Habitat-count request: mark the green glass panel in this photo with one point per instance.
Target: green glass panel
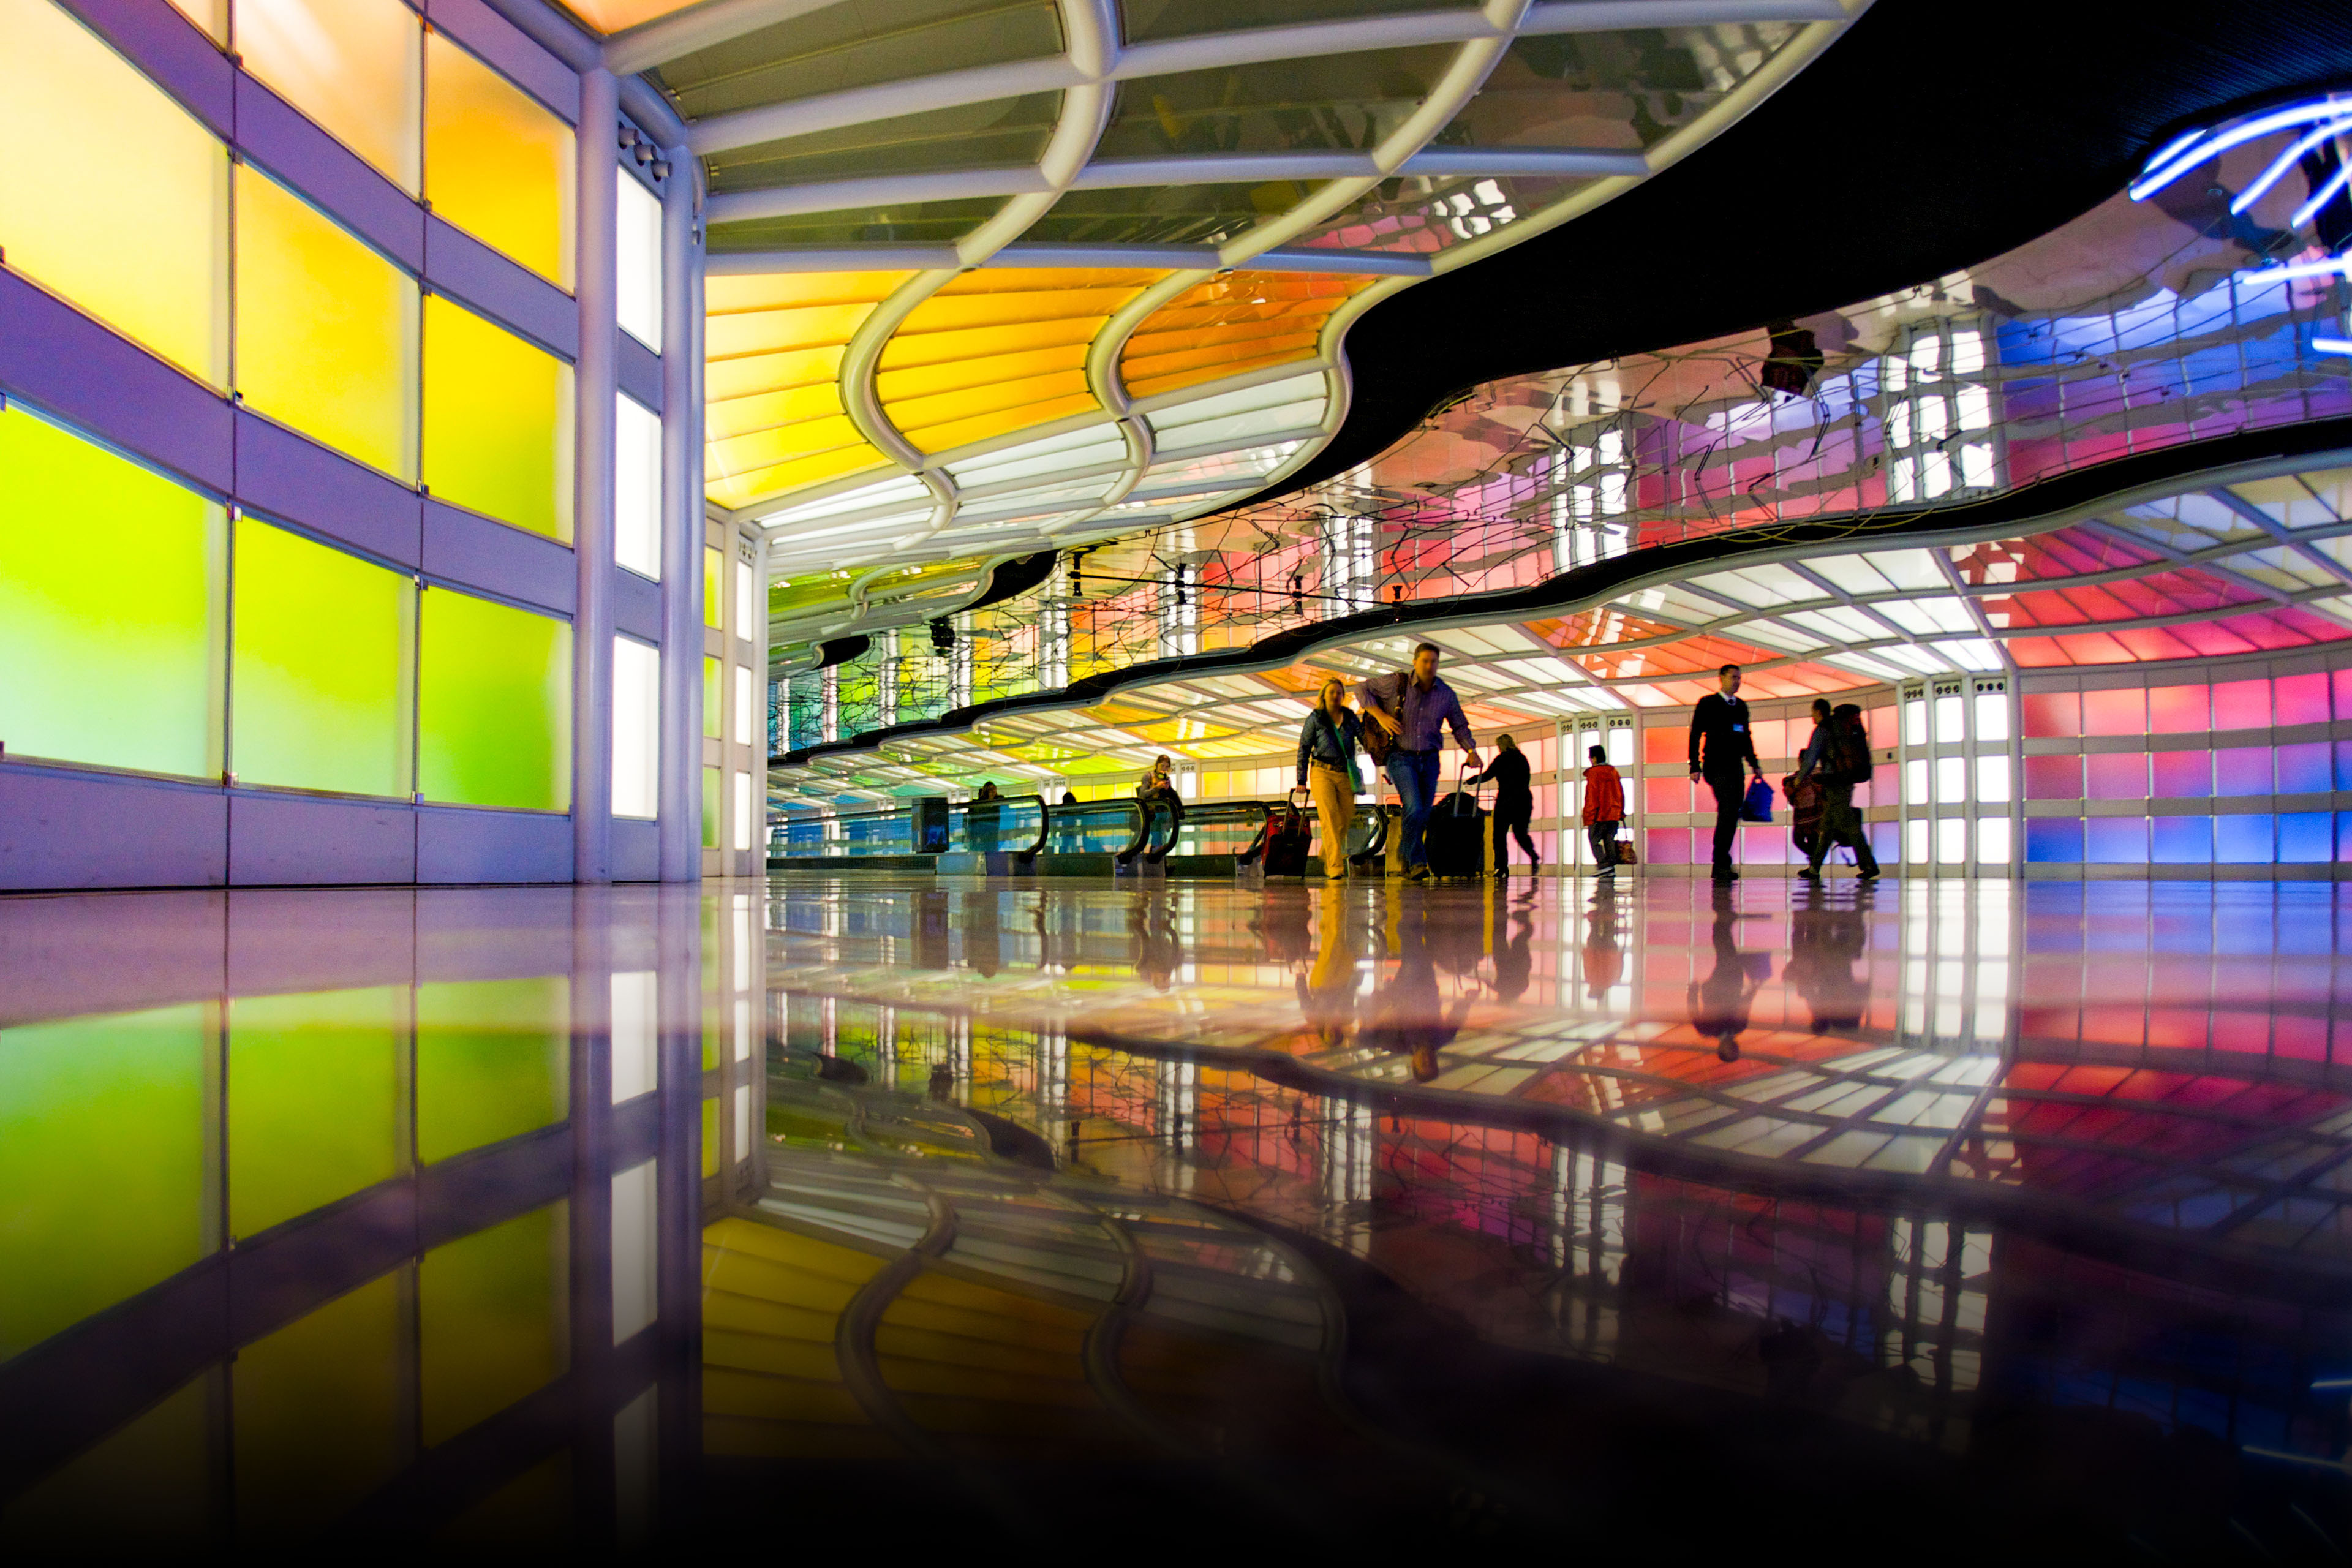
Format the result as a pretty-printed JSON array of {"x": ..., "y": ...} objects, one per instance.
[
  {"x": 493, "y": 1060},
  {"x": 710, "y": 1136},
  {"x": 319, "y": 665},
  {"x": 313, "y": 1101},
  {"x": 498, "y": 422},
  {"x": 1336, "y": 103},
  {"x": 318, "y": 1413},
  {"x": 102, "y": 1166},
  {"x": 710, "y": 808},
  {"x": 493, "y": 705},
  {"x": 109, "y": 607},
  {"x": 490, "y": 1319},
  {"x": 712, "y": 691},
  {"x": 714, "y": 585}
]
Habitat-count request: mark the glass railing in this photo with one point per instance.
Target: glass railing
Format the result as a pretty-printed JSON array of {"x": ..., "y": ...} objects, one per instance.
[
  {"x": 1026, "y": 826},
  {"x": 1112, "y": 827},
  {"x": 1234, "y": 828}
]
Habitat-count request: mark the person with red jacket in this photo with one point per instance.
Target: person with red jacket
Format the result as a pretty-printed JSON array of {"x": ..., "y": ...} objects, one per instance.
[{"x": 1604, "y": 809}]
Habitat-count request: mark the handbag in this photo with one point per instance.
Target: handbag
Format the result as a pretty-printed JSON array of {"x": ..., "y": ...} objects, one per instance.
[
  {"x": 1757, "y": 804},
  {"x": 1626, "y": 854}
]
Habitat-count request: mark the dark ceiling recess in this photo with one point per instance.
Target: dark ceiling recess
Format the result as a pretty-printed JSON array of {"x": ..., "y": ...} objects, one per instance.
[
  {"x": 1016, "y": 576},
  {"x": 841, "y": 650},
  {"x": 1928, "y": 139}
]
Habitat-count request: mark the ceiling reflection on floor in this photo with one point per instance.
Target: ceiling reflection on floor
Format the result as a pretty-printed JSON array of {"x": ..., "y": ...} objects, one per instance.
[{"x": 1455, "y": 1216}]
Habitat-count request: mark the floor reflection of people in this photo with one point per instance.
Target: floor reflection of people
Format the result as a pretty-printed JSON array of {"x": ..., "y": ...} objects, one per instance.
[
  {"x": 1604, "y": 960},
  {"x": 983, "y": 938},
  {"x": 1825, "y": 941},
  {"x": 1157, "y": 953},
  {"x": 1326, "y": 991},
  {"x": 1408, "y": 1014},
  {"x": 1719, "y": 1004},
  {"x": 1513, "y": 961}
]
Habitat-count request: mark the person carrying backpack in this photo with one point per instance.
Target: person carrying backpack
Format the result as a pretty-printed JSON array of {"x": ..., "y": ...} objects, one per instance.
[
  {"x": 1837, "y": 758},
  {"x": 1604, "y": 809}
]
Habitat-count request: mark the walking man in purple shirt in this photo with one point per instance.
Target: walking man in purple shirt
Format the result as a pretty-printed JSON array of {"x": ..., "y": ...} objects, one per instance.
[{"x": 1414, "y": 710}]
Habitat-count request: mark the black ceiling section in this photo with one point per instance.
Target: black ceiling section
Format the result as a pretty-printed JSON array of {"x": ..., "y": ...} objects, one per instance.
[{"x": 1930, "y": 138}]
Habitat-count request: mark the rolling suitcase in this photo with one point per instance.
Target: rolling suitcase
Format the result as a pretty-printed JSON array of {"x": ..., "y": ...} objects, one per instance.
[
  {"x": 1286, "y": 840},
  {"x": 1457, "y": 837}
]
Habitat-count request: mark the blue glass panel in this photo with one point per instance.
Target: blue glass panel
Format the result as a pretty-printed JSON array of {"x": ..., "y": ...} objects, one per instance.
[
  {"x": 2242, "y": 770},
  {"x": 2054, "y": 840},
  {"x": 2116, "y": 841},
  {"x": 2343, "y": 835},
  {"x": 2304, "y": 768},
  {"x": 2182, "y": 840},
  {"x": 2304, "y": 838},
  {"x": 2344, "y": 764},
  {"x": 2243, "y": 841}
]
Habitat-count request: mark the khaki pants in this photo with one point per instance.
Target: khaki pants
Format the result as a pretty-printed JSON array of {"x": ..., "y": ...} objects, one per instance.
[{"x": 1335, "y": 811}]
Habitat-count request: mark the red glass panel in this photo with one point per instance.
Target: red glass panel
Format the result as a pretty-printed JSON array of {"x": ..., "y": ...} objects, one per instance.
[
  {"x": 2047, "y": 714},
  {"x": 2241, "y": 705},
  {"x": 1666, "y": 795},
  {"x": 2178, "y": 709},
  {"x": 1665, "y": 744},
  {"x": 2123, "y": 712}
]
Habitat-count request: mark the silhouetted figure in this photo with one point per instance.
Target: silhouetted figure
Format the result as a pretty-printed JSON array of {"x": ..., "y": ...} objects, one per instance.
[
  {"x": 943, "y": 1085},
  {"x": 1327, "y": 992},
  {"x": 1719, "y": 1004},
  {"x": 1513, "y": 961},
  {"x": 1409, "y": 1015},
  {"x": 1604, "y": 960},
  {"x": 1825, "y": 941}
]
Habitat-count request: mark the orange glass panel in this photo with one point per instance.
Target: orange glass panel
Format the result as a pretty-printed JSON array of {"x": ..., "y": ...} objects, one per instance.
[
  {"x": 612, "y": 16},
  {"x": 774, "y": 343},
  {"x": 997, "y": 350},
  {"x": 212, "y": 16},
  {"x": 1229, "y": 325},
  {"x": 132, "y": 226},
  {"x": 356, "y": 67},
  {"x": 497, "y": 163}
]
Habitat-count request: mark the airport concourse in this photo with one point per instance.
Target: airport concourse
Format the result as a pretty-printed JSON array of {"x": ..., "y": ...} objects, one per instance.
[{"x": 1025, "y": 775}]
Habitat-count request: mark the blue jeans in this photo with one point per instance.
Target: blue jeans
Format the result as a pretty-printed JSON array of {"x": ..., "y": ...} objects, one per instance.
[{"x": 1414, "y": 775}]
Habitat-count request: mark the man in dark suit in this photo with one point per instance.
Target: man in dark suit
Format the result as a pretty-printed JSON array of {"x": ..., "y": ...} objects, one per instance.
[{"x": 1720, "y": 741}]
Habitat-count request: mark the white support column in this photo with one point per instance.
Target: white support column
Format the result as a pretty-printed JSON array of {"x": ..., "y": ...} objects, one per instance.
[
  {"x": 681, "y": 694},
  {"x": 596, "y": 385}
]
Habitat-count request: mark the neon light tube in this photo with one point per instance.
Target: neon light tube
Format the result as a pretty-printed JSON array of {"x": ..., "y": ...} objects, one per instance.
[
  {"x": 2155, "y": 179},
  {"x": 2284, "y": 162},
  {"x": 2320, "y": 197}
]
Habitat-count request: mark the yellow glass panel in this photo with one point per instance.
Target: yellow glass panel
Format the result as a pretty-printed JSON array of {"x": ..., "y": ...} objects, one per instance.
[
  {"x": 498, "y": 422},
  {"x": 763, "y": 484},
  {"x": 326, "y": 329},
  {"x": 132, "y": 226},
  {"x": 353, "y": 65},
  {"x": 212, "y": 16},
  {"x": 1242, "y": 321},
  {"x": 497, "y": 163},
  {"x": 493, "y": 705},
  {"x": 319, "y": 664},
  {"x": 612, "y": 16},
  {"x": 714, "y": 586},
  {"x": 490, "y": 1319}
]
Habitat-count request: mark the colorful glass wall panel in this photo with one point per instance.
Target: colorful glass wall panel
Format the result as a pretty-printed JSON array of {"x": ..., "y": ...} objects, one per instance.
[
  {"x": 497, "y": 163},
  {"x": 132, "y": 225},
  {"x": 110, "y": 589},
  {"x": 490, "y": 1319},
  {"x": 103, "y": 1164},
  {"x": 498, "y": 422},
  {"x": 492, "y": 1061},
  {"x": 493, "y": 705},
  {"x": 356, "y": 67},
  {"x": 326, "y": 329},
  {"x": 318, "y": 1412},
  {"x": 314, "y": 1093},
  {"x": 320, "y": 662}
]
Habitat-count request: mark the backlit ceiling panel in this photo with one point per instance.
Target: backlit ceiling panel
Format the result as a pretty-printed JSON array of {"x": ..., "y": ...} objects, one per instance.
[{"x": 976, "y": 264}]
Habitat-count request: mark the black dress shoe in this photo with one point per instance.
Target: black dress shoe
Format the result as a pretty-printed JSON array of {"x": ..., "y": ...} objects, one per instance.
[{"x": 1726, "y": 876}]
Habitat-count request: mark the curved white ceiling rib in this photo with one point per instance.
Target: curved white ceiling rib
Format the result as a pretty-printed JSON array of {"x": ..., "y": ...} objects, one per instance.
[{"x": 1430, "y": 162}]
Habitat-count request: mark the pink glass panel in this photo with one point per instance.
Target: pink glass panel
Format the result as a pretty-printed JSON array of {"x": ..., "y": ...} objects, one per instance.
[
  {"x": 2121, "y": 776},
  {"x": 2242, "y": 770},
  {"x": 2241, "y": 705},
  {"x": 1772, "y": 737},
  {"x": 2046, "y": 714},
  {"x": 2184, "y": 773},
  {"x": 2340, "y": 683},
  {"x": 1883, "y": 726},
  {"x": 1666, "y": 795},
  {"x": 2299, "y": 699},
  {"x": 1668, "y": 845},
  {"x": 2053, "y": 778},
  {"x": 2179, "y": 710},
  {"x": 2121, "y": 712}
]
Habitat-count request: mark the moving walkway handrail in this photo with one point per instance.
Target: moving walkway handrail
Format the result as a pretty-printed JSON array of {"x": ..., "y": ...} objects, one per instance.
[
  {"x": 1084, "y": 808},
  {"x": 1043, "y": 810}
]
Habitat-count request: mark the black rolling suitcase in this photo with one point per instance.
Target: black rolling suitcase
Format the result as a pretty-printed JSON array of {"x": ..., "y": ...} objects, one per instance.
[
  {"x": 1287, "y": 838},
  {"x": 1457, "y": 837}
]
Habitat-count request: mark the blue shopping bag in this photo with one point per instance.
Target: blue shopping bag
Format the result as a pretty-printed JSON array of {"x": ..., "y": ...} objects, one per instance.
[{"x": 1758, "y": 806}]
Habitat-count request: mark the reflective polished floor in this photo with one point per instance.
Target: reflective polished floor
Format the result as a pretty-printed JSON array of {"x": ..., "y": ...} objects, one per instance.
[{"x": 1936, "y": 1218}]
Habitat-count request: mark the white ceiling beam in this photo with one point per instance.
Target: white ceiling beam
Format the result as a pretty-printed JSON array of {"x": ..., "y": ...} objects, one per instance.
[
  {"x": 683, "y": 33},
  {"x": 1610, "y": 15}
]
